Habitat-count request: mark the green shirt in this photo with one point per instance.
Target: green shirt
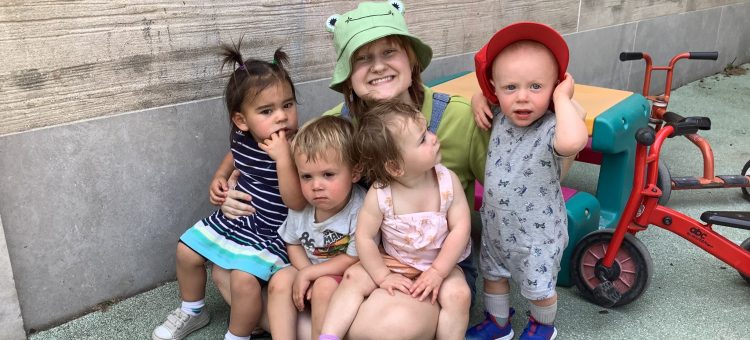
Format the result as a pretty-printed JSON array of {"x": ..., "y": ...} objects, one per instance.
[{"x": 463, "y": 145}]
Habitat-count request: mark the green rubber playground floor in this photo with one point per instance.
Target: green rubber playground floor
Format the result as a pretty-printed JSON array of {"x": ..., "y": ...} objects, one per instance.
[{"x": 692, "y": 294}]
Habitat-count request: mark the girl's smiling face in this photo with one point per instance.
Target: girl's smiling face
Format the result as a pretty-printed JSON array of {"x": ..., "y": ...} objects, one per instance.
[
  {"x": 272, "y": 110},
  {"x": 381, "y": 70}
]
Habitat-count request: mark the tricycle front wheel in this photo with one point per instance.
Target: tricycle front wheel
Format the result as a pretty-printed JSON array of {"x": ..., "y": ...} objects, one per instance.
[{"x": 630, "y": 273}]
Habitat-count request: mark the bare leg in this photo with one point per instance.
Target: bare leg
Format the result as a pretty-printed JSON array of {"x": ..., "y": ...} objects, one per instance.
[
  {"x": 497, "y": 287},
  {"x": 281, "y": 311},
  {"x": 455, "y": 300},
  {"x": 191, "y": 273},
  {"x": 345, "y": 302},
  {"x": 247, "y": 303},
  {"x": 220, "y": 277},
  {"x": 546, "y": 302},
  {"x": 322, "y": 290},
  {"x": 384, "y": 317}
]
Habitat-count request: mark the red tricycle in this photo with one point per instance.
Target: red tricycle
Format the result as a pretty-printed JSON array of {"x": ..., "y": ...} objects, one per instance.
[
  {"x": 612, "y": 267},
  {"x": 660, "y": 115}
]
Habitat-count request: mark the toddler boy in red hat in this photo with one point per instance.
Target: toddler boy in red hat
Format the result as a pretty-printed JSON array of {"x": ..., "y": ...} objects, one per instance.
[{"x": 535, "y": 126}]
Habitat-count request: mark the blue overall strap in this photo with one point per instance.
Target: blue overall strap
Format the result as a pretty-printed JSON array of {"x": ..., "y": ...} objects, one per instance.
[
  {"x": 345, "y": 112},
  {"x": 439, "y": 103}
]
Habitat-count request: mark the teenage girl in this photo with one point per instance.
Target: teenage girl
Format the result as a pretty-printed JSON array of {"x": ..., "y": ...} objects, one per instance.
[
  {"x": 261, "y": 102},
  {"x": 418, "y": 208}
]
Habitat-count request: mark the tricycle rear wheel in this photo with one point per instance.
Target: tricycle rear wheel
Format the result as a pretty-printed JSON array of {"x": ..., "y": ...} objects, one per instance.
[
  {"x": 633, "y": 266},
  {"x": 664, "y": 182}
]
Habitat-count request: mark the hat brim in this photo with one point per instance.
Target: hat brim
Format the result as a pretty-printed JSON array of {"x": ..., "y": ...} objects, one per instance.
[
  {"x": 343, "y": 67},
  {"x": 510, "y": 34}
]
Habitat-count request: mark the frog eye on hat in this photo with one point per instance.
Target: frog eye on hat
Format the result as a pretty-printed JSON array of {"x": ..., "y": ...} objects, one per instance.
[
  {"x": 331, "y": 22},
  {"x": 398, "y": 5}
]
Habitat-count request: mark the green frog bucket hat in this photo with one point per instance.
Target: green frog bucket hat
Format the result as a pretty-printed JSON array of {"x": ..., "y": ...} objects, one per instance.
[{"x": 370, "y": 21}]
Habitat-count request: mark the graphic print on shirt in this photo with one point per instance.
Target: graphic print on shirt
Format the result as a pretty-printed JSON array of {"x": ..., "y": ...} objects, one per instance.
[{"x": 334, "y": 244}]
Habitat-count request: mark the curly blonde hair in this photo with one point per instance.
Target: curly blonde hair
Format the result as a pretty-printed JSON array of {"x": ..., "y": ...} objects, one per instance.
[{"x": 326, "y": 133}]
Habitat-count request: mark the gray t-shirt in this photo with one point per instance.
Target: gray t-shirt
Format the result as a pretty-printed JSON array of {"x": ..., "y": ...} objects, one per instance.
[{"x": 326, "y": 239}]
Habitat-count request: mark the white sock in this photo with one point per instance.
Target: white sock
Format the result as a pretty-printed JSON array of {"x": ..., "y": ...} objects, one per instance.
[
  {"x": 544, "y": 315},
  {"x": 193, "y": 308},
  {"x": 230, "y": 336},
  {"x": 499, "y": 306}
]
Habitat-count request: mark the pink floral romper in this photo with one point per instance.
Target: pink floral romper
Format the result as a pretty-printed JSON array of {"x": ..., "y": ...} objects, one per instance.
[{"x": 415, "y": 239}]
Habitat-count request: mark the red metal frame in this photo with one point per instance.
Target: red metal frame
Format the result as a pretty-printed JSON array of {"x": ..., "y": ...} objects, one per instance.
[
  {"x": 659, "y": 107},
  {"x": 643, "y": 209}
]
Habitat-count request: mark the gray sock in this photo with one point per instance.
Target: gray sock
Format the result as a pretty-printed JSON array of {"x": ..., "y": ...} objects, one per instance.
[
  {"x": 544, "y": 315},
  {"x": 499, "y": 306}
]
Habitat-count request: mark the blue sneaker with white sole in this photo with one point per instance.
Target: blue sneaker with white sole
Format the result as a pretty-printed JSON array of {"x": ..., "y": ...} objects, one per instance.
[
  {"x": 489, "y": 329},
  {"x": 538, "y": 331}
]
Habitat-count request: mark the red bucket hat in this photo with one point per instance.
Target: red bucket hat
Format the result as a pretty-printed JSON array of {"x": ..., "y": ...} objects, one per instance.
[{"x": 510, "y": 34}]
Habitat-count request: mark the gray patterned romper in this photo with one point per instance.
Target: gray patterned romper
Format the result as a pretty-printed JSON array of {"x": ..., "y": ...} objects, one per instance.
[{"x": 523, "y": 211}]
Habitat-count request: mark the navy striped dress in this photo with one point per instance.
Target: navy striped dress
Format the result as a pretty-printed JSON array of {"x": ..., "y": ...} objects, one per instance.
[{"x": 249, "y": 243}]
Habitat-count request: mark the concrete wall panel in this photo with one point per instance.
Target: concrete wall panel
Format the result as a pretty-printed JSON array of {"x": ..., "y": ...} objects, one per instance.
[
  {"x": 597, "y": 13},
  {"x": 694, "y": 5},
  {"x": 10, "y": 310},
  {"x": 93, "y": 210},
  {"x": 733, "y": 38},
  {"x": 665, "y": 37},
  {"x": 594, "y": 56},
  {"x": 77, "y": 60}
]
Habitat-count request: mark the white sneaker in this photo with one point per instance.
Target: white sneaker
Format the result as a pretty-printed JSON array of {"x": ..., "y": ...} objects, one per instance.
[{"x": 179, "y": 324}]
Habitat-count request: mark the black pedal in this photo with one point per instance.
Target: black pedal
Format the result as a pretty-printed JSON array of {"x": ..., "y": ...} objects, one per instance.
[
  {"x": 606, "y": 294},
  {"x": 734, "y": 219},
  {"x": 734, "y": 180},
  {"x": 686, "y": 182}
]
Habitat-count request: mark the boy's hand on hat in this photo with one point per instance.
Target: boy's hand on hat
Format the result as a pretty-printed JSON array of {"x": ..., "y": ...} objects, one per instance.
[
  {"x": 482, "y": 112},
  {"x": 564, "y": 89}
]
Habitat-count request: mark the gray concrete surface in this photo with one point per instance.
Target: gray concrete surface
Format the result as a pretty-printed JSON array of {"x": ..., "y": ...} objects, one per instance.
[
  {"x": 692, "y": 295},
  {"x": 10, "y": 311},
  {"x": 91, "y": 210}
]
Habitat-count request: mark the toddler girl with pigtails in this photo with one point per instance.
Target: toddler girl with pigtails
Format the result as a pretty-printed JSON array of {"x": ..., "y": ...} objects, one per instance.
[{"x": 261, "y": 102}]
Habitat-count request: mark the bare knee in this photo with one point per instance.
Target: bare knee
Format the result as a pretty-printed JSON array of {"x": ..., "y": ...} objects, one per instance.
[
  {"x": 243, "y": 284},
  {"x": 281, "y": 282},
  {"x": 323, "y": 288},
  {"x": 188, "y": 257},
  {"x": 357, "y": 278},
  {"x": 457, "y": 294}
]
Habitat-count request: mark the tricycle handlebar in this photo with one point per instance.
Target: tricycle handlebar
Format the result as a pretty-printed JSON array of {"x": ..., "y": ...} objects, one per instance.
[
  {"x": 625, "y": 56},
  {"x": 704, "y": 55}
]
